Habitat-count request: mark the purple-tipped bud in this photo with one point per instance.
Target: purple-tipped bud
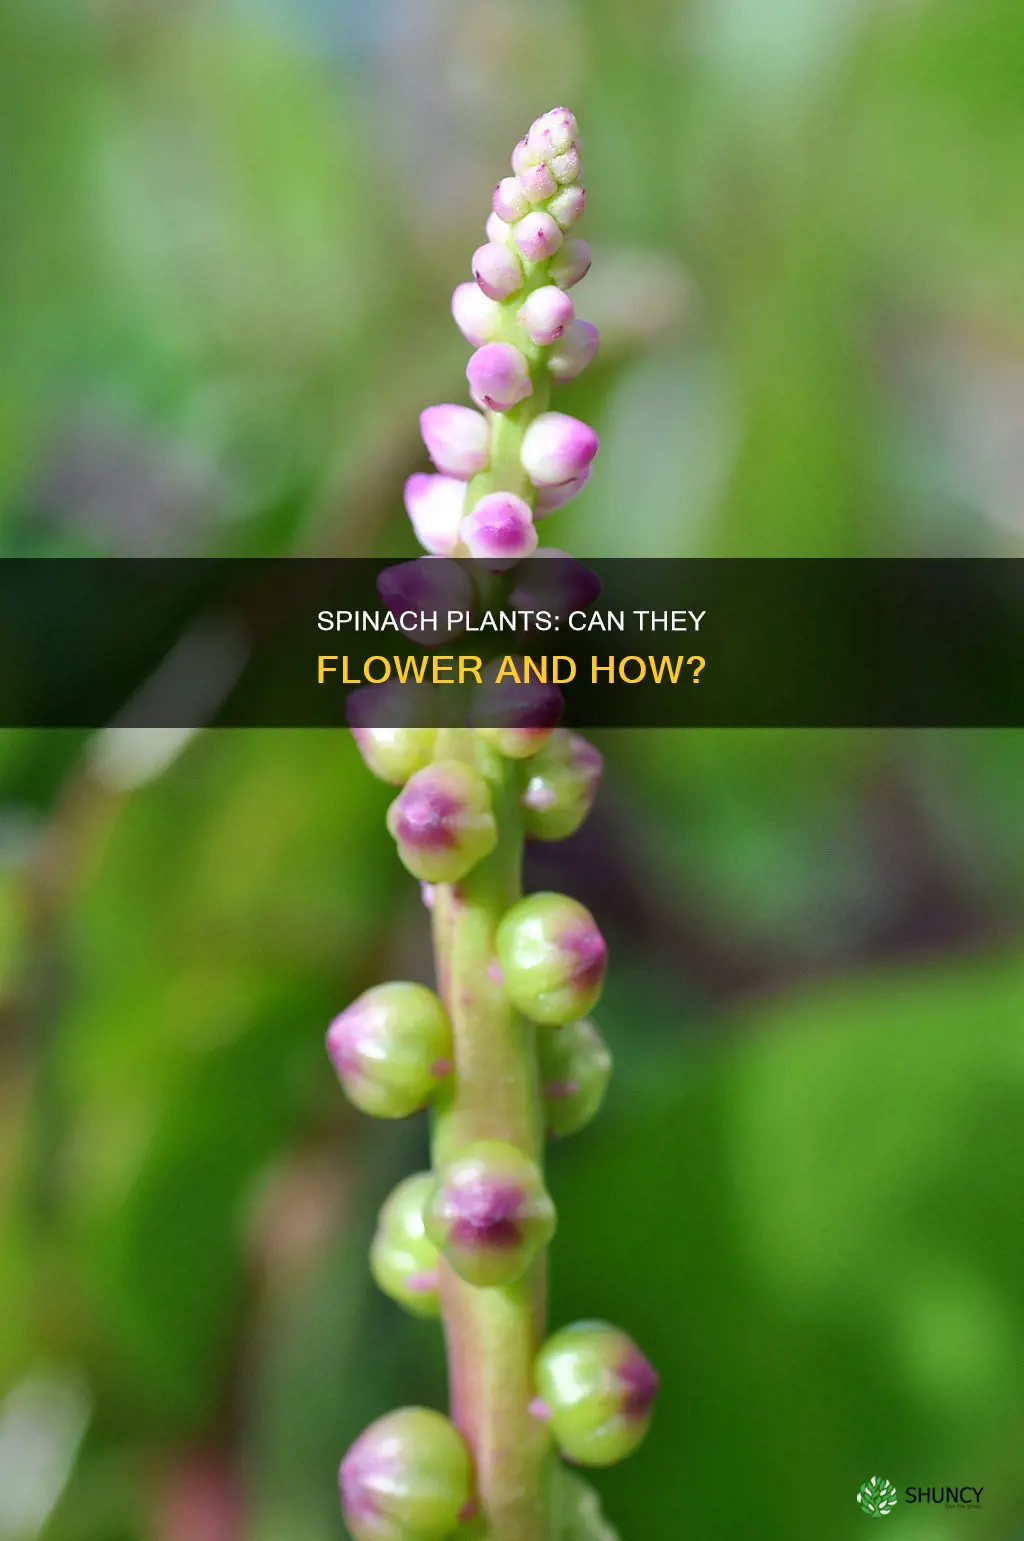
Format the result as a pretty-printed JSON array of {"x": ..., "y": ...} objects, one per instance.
[
  {"x": 497, "y": 270},
  {"x": 599, "y": 1390},
  {"x": 490, "y": 1213},
  {"x": 443, "y": 822},
  {"x": 562, "y": 786},
  {"x": 499, "y": 377},
  {"x": 552, "y": 957},
  {"x": 510, "y": 201},
  {"x": 428, "y": 586},
  {"x": 537, "y": 183},
  {"x": 546, "y": 315},
  {"x": 551, "y": 498},
  {"x": 497, "y": 230},
  {"x": 408, "y": 1477},
  {"x": 553, "y": 133},
  {"x": 477, "y": 318},
  {"x": 391, "y": 1049},
  {"x": 571, "y": 264},
  {"x": 538, "y": 237},
  {"x": 403, "y": 1259},
  {"x": 500, "y": 525},
  {"x": 575, "y": 350},
  {"x": 518, "y": 712},
  {"x": 392, "y": 754},
  {"x": 435, "y": 505},
  {"x": 559, "y": 583},
  {"x": 458, "y": 439},
  {"x": 568, "y": 207},
  {"x": 556, "y": 448},
  {"x": 566, "y": 168},
  {"x": 575, "y": 1068}
]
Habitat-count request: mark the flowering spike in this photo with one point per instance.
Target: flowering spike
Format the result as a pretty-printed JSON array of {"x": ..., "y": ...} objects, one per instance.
[
  {"x": 499, "y": 377},
  {"x": 477, "y": 318},
  {"x": 497, "y": 270},
  {"x": 490, "y": 1213},
  {"x": 599, "y": 1390},
  {"x": 443, "y": 822},
  {"x": 571, "y": 264},
  {"x": 538, "y": 237},
  {"x": 574, "y": 351},
  {"x": 391, "y": 1049},
  {"x": 458, "y": 440},
  {"x": 557, "y": 448},
  {"x": 562, "y": 786},
  {"x": 575, "y": 1068},
  {"x": 552, "y": 957},
  {"x": 435, "y": 505},
  {"x": 394, "y": 754},
  {"x": 403, "y": 1259},
  {"x": 499, "y": 525},
  {"x": 408, "y": 1477},
  {"x": 545, "y": 315}
]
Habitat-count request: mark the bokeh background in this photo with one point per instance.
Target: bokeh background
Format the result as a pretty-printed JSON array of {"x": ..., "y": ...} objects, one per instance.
[{"x": 229, "y": 233}]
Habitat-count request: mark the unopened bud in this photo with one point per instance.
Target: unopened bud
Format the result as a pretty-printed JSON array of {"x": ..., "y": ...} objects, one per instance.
[
  {"x": 517, "y": 714},
  {"x": 550, "y": 499},
  {"x": 499, "y": 377},
  {"x": 556, "y": 448},
  {"x": 553, "y": 133},
  {"x": 394, "y": 754},
  {"x": 537, "y": 183},
  {"x": 575, "y": 1068},
  {"x": 458, "y": 439},
  {"x": 598, "y": 1390},
  {"x": 566, "y": 168},
  {"x": 435, "y": 505},
  {"x": 568, "y": 206},
  {"x": 538, "y": 237},
  {"x": 490, "y": 1213},
  {"x": 443, "y": 822},
  {"x": 574, "y": 351},
  {"x": 571, "y": 264},
  {"x": 546, "y": 314},
  {"x": 552, "y": 958},
  {"x": 497, "y": 270},
  {"x": 499, "y": 525},
  {"x": 408, "y": 1477},
  {"x": 497, "y": 230},
  {"x": 391, "y": 1049},
  {"x": 403, "y": 1259},
  {"x": 510, "y": 201},
  {"x": 477, "y": 318},
  {"x": 562, "y": 786}
]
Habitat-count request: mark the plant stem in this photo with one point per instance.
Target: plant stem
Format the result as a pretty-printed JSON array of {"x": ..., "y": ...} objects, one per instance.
[{"x": 492, "y": 1335}]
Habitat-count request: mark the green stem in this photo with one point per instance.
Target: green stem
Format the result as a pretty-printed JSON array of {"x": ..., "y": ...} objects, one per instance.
[{"x": 492, "y": 1335}]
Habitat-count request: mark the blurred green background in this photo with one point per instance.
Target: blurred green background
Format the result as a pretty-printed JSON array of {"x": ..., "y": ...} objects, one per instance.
[{"x": 229, "y": 234}]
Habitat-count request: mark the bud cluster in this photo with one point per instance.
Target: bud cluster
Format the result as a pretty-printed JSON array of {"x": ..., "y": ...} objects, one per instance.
[
  {"x": 521, "y": 320},
  {"x": 483, "y": 1215}
]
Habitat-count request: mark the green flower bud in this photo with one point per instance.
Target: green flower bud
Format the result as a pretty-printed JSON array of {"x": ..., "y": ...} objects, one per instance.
[
  {"x": 391, "y": 1048},
  {"x": 395, "y": 754},
  {"x": 490, "y": 1213},
  {"x": 516, "y": 743},
  {"x": 408, "y": 1477},
  {"x": 443, "y": 822},
  {"x": 552, "y": 958},
  {"x": 403, "y": 1259},
  {"x": 596, "y": 1390},
  {"x": 561, "y": 786},
  {"x": 575, "y": 1068}
]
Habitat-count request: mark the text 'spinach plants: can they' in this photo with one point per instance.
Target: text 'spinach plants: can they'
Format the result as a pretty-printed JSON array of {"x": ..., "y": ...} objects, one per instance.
[{"x": 505, "y": 1053}]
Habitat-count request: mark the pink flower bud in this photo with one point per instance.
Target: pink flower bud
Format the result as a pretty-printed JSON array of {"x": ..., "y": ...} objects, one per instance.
[
  {"x": 537, "y": 183},
  {"x": 566, "y": 168},
  {"x": 557, "y": 448},
  {"x": 571, "y": 264},
  {"x": 477, "y": 318},
  {"x": 500, "y": 525},
  {"x": 575, "y": 350},
  {"x": 567, "y": 208},
  {"x": 523, "y": 156},
  {"x": 538, "y": 237},
  {"x": 497, "y": 270},
  {"x": 435, "y": 504},
  {"x": 552, "y": 134},
  {"x": 551, "y": 498},
  {"x": 458, "y": 439},
  {"x": 497, "y": 231},
  {"x": 498, "y": 377},
  {"x": 510, "y": 200},
  {"x": 546, "y": 314}
]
